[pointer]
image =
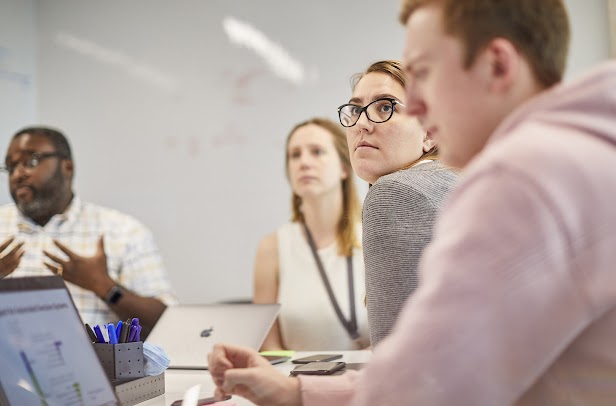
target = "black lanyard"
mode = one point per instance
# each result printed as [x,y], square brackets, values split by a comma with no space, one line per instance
[349,325]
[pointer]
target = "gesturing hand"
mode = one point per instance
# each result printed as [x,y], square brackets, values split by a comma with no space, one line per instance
[87,272]
[9,261]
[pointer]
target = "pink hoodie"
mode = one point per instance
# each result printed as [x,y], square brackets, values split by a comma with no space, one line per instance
[518,297]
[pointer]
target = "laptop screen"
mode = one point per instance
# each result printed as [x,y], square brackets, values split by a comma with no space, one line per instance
[46,356]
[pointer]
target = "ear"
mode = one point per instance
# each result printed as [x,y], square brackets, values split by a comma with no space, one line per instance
[428,142]
[345,173]
[67,168]
[502,63]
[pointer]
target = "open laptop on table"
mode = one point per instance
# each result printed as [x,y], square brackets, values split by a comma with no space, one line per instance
[46,357]
[187,333]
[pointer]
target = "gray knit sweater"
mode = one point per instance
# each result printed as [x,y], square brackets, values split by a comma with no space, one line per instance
[398,215]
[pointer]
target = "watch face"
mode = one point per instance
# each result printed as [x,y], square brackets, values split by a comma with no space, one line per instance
[114,295]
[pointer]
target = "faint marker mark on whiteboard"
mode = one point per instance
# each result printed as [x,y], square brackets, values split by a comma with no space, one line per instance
[231,136]
[240,98]
[8,74]
[194,146]
[241,86]
[22,79]
[172,141]
[190,144]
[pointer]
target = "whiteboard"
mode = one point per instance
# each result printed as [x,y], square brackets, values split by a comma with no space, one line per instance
[183,126]
[174,123]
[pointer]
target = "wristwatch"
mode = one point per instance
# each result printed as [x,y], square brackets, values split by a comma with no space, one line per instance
[114,294]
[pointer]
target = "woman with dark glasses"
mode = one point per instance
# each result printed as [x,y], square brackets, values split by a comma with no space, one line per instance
[397,156]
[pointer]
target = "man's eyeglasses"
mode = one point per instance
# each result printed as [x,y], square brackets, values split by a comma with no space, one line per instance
[31,162]
[378,111]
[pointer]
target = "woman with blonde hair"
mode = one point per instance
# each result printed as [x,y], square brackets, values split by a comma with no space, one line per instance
[313,265]
[398,157]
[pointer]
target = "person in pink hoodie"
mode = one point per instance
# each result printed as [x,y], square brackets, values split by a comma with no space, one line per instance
[517,301]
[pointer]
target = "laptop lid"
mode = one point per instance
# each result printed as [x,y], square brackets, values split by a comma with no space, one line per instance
[187,333]
[46,355]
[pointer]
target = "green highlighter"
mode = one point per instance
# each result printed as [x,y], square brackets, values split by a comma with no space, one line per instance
[277,357]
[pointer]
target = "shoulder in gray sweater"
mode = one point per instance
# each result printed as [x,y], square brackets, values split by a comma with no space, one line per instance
[399,213]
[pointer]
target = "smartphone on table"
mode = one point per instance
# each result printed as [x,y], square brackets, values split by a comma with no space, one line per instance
[318,368]
[317,358]
[276,359]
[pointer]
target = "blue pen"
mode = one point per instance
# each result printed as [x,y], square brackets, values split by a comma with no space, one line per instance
[138,335]
[134,322]
[113,339]
[99,334]
[119,330]
[133,334]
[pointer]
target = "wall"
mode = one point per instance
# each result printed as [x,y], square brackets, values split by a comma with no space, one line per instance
[17,72]
[590,34]
[612,24]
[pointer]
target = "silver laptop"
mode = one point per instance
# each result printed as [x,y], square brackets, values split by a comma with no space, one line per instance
[187,333]
[46,356]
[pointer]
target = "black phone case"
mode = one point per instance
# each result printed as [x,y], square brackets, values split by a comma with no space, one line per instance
[317,358]
[318,368]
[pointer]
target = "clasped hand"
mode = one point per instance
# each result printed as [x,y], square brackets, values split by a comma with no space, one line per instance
[242,371]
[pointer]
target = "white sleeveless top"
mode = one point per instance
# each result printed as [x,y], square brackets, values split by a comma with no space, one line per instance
[308,321]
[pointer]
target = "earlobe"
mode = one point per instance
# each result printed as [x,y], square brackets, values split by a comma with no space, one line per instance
[428,142]
[67,168]
[499,69]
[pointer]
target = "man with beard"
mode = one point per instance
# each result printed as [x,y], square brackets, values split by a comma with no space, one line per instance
[109,260]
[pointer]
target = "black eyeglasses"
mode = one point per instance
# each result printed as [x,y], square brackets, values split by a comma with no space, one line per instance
[378,111]
[31,162]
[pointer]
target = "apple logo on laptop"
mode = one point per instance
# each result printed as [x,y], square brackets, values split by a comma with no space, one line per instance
[207,332]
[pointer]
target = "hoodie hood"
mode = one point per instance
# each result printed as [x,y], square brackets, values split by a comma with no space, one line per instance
[587,103]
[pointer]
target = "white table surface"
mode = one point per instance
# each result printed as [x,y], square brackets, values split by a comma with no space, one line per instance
[177,381]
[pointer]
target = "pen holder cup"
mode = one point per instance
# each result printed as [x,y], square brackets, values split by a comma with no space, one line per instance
[121,361]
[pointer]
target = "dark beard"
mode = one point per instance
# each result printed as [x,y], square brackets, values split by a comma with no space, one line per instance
[46,200]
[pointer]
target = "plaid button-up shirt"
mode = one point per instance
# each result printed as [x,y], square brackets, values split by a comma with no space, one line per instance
[133,259]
